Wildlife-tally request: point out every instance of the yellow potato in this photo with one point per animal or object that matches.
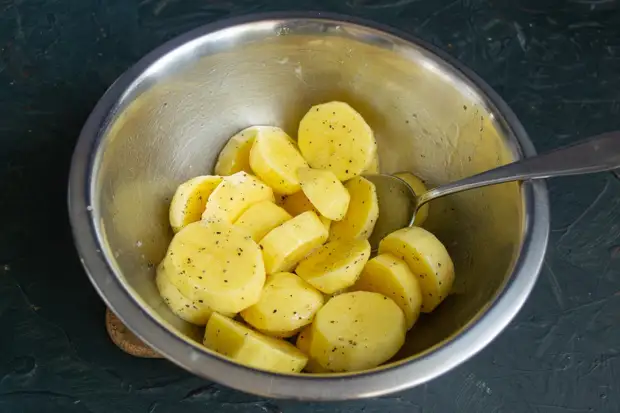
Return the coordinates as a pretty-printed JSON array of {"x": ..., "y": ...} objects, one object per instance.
[
  {"x": 248, "y": 347},
  {"x": 360, "y": 219},
  {"x": 427, "y": 258},
  {"x": 419, "y": 188},
  {"x": 287, "y": 244},
  {"x": 304, "y": 340},
  {"x": 373, "y": 167},
  {"x": 190, "y": 199},
  {"x": 234, "y": 195},
  {"x": 261, "y": 218},
  {"x": 215, "y": 264},
  {"x": 334, "y": 136},
  {"x": 357, "y": 331},
  {"x": 385, "y": 274},
  {"x": 325, "y": 192},
  {"x": 235, "y": 156},
  {"x": 274, "y": 158},
  {"x": 298, "y": 203},
  {"x": 335, "y": 266},
  {"x": 287, "y": 304}
]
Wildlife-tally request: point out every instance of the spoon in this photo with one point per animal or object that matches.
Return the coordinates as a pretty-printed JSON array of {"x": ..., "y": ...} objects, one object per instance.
[{"x": 597, "y": 154}]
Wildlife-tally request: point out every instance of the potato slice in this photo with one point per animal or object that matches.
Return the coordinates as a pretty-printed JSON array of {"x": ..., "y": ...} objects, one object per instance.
[
  {"x": 235, "y": 156},
  {"x": 427, "y": 258},
  {"x": 216, "y": 264},
  {"x": 325, "y": 192},
  {"x": 334, "y": 136},
  {"x": 385, "y": 274},
  {"x": 304, "y": 341},
  {"x": 374, "y": 166},
  {"x": 261, "y": 218},
  {"x": 274, "y": 158},
  {"x": 248, "y": 347},
  {"x": 190, "y": 199},
  {"x": 234, "y": 195},
  {"x": 298, "y": 203},
  {"x": 419, "y": 188},
  {"x": 360, "y": 219},
  {"x": 287, "y": 244},
  {"x": 336, "y": 265},
  {"x": 287, "y": 304},
  {"x": 357, "y": 331}
]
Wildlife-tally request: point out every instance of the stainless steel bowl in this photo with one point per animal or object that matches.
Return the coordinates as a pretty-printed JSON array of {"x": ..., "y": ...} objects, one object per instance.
[{"x": 166, "y": 119}]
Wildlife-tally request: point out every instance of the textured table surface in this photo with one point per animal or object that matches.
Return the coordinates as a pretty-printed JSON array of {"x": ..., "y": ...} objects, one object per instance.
[{"x": 557, "y": 63}]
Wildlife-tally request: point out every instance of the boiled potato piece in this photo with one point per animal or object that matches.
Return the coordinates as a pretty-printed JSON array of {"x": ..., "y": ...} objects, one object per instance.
[
  {"x": 360, "y": 219},
  {"x": 261, "y": 218},
  {"x": 274, "y": 158},
  {"x": 287, "y": 304},
  {"x": 304, "y": 340},
  {"x": 216, "y": 264},
  {"x": 334, "y": 136},
  {"x": 373, "y": 167},
  {"x": 234, "y": 195},
  {"x": 235, "y": 156},
  {"x": 287, "y": 244},
  {"x": 357, "y": 331},
  {"x": 298, "y": 203},
  {"x": 190, "y": 199},
  {"x": 418, "y": 188},
  {"x": 246, "y": 346},
  {"x": 335, "y": 266},
  {"x": 427, "y": 258},
  {"x": 385, "y": 274},
  {"x": 325, "y": 192}
]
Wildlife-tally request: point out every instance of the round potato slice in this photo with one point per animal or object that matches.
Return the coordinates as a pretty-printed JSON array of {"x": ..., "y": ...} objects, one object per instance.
[
  {"x": 360, "y": 219},
  {"x": 287, "y": 304},
  {"x": 287, "y": 244},
  {"x": 274, "y": 158},
  {"x": 248, "y": 347},
  {"x": 235, "y": 156},
  {"x": 334, "y": 136},
  {"x": 335, "y": 266},
  {"x": 325, "y": 192},
  {"x": 234, "y": 195},
  {"x": 261, "y": 218},
  {"x": 298, "y": 203},
  {"x": 304, "y": 341},
  {"x": 190, "y": 199},
  {"x": 427, "y": 258},
  {"x": 418, "y": 188},
  {"x": 216, "y": 264},
  {"x": 357, "y": 331},
  {"x": 385, "y": 274}
]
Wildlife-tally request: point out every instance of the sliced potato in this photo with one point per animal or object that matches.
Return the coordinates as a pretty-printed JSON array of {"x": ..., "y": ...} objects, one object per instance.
[
  {"x": 304, "y": 341},
  {"x": 334, "y": 136},
  {"x": 373, "y": 167},
  {"x": 419, "y": 188},
  {"x": 274, "y": 158},
  {"x": 360, "y": 219},
  {"x": 215, "y": 264},
  {"x": 235, "y": 194},
  {"x": 357, "y": 331},
  {"x": 261, "y": 218},
  {"x": 325, "y": 192},
  {"x": 427, "y": 258},
  {"x": 336, "y": 265},
  {"x": 298, "y": 203},
  {"x": 287, "y": 244},
  {"x": 385, "y": 274},
  {"x": 190, "y": 199},
  {"x": 235, "y": 156},
  {"x": 287, "y": 304},
  {"x": 248, "y": 347}
]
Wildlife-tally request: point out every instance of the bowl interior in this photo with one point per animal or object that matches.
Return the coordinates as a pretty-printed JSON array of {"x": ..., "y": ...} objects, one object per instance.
[{"x": 427, "y": 118}]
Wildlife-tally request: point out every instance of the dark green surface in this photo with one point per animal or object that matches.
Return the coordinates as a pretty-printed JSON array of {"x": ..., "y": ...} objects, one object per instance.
[{"x": 557, "y": 63}]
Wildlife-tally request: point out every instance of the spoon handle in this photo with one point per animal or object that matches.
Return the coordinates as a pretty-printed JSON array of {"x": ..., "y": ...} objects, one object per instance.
[{"x": 597, "y": 154}]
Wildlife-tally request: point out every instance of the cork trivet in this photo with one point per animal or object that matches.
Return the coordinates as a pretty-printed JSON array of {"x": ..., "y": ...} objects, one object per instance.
[{"x": 125, "y": 339}]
